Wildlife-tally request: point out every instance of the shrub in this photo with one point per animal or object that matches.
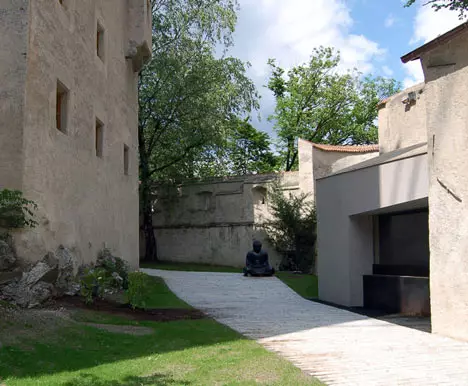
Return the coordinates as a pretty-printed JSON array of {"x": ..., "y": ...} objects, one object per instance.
[
  {"x": 139, "y": 286},
  {"x": 15, "y": 210},
  {"x": 113, "y": 265},
  {"x": 110, "y": 274},
  {"x": 292, "y": 231},
  {"x": 94, "y": 282}
]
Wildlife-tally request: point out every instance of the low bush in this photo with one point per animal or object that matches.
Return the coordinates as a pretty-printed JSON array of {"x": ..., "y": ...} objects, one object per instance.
[
  {"x": 94, "y": 282},
  {"x": 293, "y": 229},
  {"x": 108, "y": 275},
  {"x": 114, "y": 264},
  {"x": 139, "y": 287}
]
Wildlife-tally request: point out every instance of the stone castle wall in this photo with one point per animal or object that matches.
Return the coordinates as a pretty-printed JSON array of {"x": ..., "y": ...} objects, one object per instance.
[{"x": 86, "y": 200}]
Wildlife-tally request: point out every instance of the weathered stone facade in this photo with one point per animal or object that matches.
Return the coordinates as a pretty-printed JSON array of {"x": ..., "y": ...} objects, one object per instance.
[
  {"x": 445, "y": 68},
  {"x": 68, "y": 120},
  {"x": 403, "y": 123}
]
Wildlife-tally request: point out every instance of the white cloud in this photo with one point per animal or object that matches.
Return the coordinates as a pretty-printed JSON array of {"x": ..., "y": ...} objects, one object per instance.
[
  {"x": 387, "y": 71},
  {"x": 414, "y": 74},
  {"x": 289, "y": 30},
  {"x": 389, "y": 21},
  {"x": 428, "y": 24}
]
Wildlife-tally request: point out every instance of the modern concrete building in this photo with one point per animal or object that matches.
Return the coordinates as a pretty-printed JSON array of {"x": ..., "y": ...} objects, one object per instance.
[
  {"x": 392, "y": 227},
  {"x": 68, "y": 120}
]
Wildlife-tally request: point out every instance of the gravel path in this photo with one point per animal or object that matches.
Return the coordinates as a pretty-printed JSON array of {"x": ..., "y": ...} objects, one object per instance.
[{"x": 336, "y": 346}]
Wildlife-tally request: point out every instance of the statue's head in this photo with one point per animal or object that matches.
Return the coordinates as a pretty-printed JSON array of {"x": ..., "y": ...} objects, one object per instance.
[{"x": 257, "y": 246}]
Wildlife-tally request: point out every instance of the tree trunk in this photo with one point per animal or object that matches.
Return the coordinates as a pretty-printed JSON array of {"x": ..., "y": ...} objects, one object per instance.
[
  {"x": 151, "y": 251},
  {"x": 146, "y": 207}
]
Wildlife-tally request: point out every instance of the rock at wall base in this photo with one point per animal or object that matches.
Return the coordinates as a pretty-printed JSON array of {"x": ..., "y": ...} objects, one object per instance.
[
  {"x": 7, "y": 256},
  {"x": 67, "y": 271},
  {"x": 53, "y": 275}
]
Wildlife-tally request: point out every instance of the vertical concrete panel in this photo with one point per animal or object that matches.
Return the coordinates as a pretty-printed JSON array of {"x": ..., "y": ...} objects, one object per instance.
[
  {"x": 306, "y": 167},
  {"x": 361, "y": 255},
  {"x": 447, "y": 117}
]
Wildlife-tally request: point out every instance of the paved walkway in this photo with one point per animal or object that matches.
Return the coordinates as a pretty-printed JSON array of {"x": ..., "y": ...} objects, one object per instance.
[{"x": 334, "y": 345}]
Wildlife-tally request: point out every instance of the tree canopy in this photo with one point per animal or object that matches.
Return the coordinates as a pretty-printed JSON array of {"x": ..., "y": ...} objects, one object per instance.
[
  {"x": 249, "y": 150},
  {"x": 454, "y": 5},
  {"x": 243, "y": 150},
  {"x": 188, "y": 96},
  {"x": 316, "y": 102},
  {"x": 187, "y": 102}
]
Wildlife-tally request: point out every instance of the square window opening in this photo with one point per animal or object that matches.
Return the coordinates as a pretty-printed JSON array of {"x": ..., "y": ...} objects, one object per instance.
[
  {"x": 99, "y": 138},
  {"x": 61, "y": 107},
  {"x": 126, "y": 159},
  {"x": 100, "y": 41}
]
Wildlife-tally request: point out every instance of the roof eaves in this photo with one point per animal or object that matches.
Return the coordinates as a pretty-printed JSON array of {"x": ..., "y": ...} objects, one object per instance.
[
  {"x": 416, "y": 54},
  {"x": 347, "y": 148}
]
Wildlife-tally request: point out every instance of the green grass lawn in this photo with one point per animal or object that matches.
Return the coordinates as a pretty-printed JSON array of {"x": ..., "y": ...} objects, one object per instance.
[
  {"x": 304, "y": 285},
  {"x": 189, "y": 352}
]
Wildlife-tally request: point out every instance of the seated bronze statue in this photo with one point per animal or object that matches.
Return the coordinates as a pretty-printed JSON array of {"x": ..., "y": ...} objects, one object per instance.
[{"x": 256, "y": 262}]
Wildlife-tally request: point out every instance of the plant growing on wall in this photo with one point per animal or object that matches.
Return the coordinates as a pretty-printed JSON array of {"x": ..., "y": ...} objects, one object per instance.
[
  {"x": 292, "y": 231},
  {"x": 15, "y": 210}
]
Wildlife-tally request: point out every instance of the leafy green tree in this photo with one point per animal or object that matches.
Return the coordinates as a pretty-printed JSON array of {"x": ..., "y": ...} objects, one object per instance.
[
  {"x": 316, "y": 102},
  {"x": 249, "y": 150},
  {"x": 244, "y": 150},
  {"x": 187, "y": 97},
  {"x": 454, "y": 5}
]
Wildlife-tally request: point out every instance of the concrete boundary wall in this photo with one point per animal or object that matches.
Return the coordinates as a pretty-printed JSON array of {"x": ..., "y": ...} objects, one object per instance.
[
  {"x": 214, "y": 221},
  {"x": 218, "y": 245}
]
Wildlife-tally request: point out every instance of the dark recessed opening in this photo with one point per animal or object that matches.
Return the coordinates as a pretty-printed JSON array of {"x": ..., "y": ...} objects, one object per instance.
[
  {"x": 99, "y": 138},
  {"x": 100, "y": 41},
  {"x": 126, "y": 159},
  {"x": 61, "y": 107}
]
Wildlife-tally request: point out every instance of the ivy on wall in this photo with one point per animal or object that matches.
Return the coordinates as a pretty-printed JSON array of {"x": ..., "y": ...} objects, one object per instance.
[{"x": 15, "y": 210}]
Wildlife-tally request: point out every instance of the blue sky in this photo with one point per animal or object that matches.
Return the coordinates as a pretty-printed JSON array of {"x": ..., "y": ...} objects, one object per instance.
[{"x": 371, "y": 35}]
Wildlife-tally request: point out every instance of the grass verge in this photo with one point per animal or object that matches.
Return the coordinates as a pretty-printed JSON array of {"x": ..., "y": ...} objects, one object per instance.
[
  {"x": 304, "y": 285},
  {"x": 189, "y": 352}
]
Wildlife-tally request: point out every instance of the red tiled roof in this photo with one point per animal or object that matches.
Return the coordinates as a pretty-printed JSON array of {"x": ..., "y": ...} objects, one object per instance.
[
  {"x": 345, "y": 148},
  {"x": 383, "y": 102}
]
